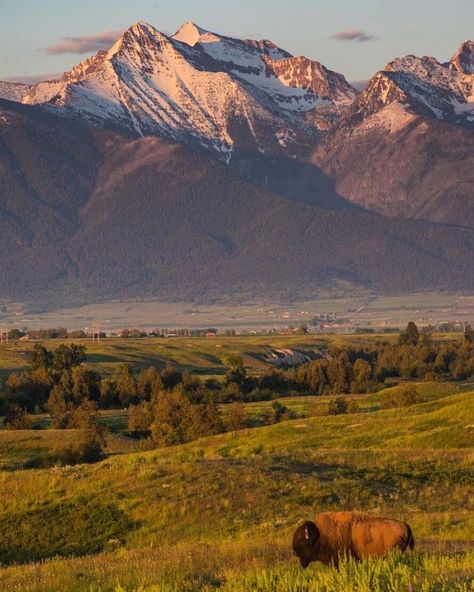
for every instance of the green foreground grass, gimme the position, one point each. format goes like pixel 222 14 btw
pixel 218 513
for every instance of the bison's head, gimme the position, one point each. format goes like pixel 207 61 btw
pixel 304 543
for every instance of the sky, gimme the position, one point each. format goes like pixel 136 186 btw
pixel 41 38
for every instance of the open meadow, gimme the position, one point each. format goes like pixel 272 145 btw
pixel 217 514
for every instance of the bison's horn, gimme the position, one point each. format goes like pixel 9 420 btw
pixel 306 533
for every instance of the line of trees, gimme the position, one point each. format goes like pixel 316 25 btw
pixel 59 381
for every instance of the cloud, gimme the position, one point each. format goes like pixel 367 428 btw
pixel 353 35
pixel 32 78
pixel 84 44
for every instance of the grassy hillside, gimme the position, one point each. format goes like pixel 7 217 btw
pixel 195 354
pixel 218 513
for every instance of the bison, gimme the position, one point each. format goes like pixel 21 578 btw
pixel 349 534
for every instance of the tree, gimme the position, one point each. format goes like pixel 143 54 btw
pixel 140 417
pixel 85 415
pixel 170 377
pixel 67 357
pixel 60 407
pixel 236 370
pixel 41 357
pixel 125 385
pixel 361 372
pixel 314 376
pixel 469 334
pixel 148 380
pixel 205 420
pixel 16 418
pixel 108 396
pixel 236 414
pixel 338 373
pixel 410 336
pixel 171 418
pixel 15 334
pixel 273 381
pixel 85 384
pixel 28 390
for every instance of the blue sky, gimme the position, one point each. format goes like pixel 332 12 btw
pixel 354 37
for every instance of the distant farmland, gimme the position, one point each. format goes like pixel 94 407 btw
pixel 359 310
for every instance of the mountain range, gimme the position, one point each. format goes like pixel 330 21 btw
pixel 199 166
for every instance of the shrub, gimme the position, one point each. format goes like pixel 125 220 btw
pixel 401 397
pixel 337 406
pixel 88 449
pixel 17 418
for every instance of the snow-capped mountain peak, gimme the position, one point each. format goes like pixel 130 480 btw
pixel 423 85
pixel 189 33
pixel 463 59
pixel 202 88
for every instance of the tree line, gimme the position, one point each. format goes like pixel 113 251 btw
pixel 176 406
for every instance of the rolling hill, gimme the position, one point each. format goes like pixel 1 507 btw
pixel 221 510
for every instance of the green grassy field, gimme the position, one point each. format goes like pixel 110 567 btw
pixel 218 513
pixel 198 355
pixel 204 356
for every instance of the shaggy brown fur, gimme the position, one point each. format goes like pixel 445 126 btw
pixel 336 534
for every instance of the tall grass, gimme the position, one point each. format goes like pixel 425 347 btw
pixel 218 513
pixel 237 566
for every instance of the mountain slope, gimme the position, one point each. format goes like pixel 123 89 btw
pixel 143 217
pixel 406 147
pixel 404 165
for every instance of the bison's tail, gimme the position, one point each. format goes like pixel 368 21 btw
pixel 411 539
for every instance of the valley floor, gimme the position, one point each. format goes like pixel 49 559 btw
pixel 358 309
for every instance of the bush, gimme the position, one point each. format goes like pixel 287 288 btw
pixel 17 418
pixel 401 397
pixel 87 450
pixel 337 406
